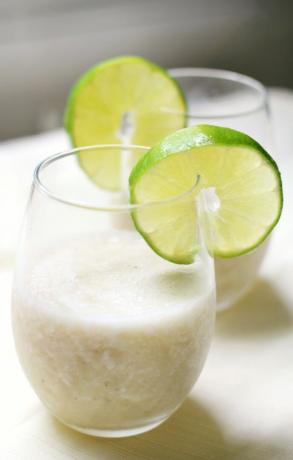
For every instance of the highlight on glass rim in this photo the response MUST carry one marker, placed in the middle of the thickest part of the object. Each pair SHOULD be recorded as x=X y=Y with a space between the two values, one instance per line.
x=155 y=186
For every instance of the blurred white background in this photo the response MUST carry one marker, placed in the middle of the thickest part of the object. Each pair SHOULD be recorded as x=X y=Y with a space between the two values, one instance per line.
x=46 y=44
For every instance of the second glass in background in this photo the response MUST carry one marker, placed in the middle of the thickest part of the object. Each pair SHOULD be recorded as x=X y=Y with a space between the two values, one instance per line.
x=232 y=100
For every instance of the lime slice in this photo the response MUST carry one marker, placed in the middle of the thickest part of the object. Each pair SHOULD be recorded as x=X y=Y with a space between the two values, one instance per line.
x=124 y=100
x=234 y=170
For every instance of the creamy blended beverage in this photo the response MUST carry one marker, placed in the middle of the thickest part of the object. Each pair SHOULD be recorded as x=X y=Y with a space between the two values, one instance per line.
x=111 y=336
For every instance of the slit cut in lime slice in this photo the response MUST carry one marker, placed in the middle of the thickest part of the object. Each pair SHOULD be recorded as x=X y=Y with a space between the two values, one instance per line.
x=242 y=177
x=125 y=100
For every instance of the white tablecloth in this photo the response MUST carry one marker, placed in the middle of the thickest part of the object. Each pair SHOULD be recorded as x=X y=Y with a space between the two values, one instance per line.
x=242 y=406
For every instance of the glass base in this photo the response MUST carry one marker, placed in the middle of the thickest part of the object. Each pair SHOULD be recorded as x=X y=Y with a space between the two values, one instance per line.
x=122 y=433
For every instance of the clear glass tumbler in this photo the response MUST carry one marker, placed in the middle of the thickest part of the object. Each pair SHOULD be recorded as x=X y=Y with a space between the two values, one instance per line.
x=229 y=99
x=111 y=336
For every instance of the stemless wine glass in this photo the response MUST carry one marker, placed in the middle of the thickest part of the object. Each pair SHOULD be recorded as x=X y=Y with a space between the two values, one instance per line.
x=111 y=336
x=232 y=100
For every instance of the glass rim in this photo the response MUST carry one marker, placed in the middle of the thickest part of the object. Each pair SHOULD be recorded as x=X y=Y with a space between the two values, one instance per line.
x=223 y=74
x=127 y=207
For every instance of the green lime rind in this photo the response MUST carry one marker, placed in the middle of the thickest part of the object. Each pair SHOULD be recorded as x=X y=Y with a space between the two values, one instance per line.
x=196 y=136
x=197 y=139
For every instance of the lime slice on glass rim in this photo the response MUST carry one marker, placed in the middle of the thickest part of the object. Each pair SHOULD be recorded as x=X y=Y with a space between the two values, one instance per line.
x=127 y=100
x=242 y=177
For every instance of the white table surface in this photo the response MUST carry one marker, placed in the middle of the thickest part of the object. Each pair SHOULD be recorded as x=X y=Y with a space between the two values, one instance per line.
x=242 y=406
